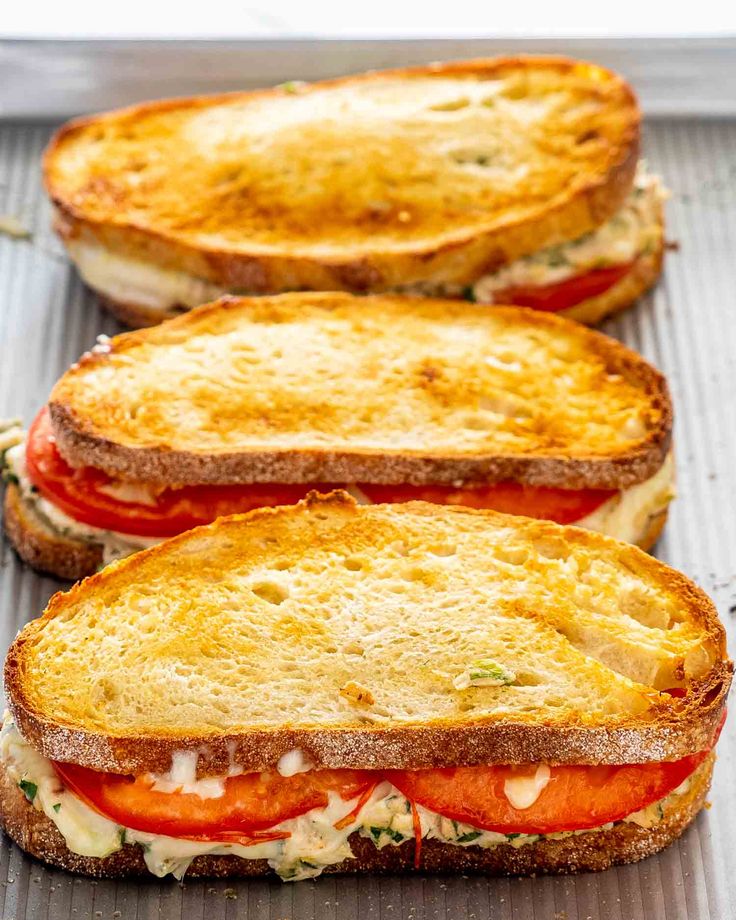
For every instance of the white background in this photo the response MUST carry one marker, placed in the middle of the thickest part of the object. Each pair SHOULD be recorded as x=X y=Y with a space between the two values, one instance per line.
x=380 y=18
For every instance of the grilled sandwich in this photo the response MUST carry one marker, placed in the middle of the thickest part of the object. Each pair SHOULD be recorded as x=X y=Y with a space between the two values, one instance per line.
x=510 y=180
x=332 y=687
x=252 y=402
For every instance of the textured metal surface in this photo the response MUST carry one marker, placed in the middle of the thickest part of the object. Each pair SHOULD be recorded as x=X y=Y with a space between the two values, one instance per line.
x=58 y=79
x=688 y=328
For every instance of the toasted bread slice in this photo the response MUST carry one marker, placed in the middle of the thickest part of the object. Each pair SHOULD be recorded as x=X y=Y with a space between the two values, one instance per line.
x=253 y=655
x=461 y=167
x=336 y=388
x=590 y=851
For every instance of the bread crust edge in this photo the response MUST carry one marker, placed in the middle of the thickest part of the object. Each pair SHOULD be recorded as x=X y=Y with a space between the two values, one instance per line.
x=81 y=444
x=674 y=728
x=41 y=547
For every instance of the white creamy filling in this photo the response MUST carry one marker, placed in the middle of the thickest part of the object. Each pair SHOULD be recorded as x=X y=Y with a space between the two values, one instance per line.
x=130 y=280
x=632 y=231
x=313 y=843
x=625 y=516
x=114 y=545
x=523 y=791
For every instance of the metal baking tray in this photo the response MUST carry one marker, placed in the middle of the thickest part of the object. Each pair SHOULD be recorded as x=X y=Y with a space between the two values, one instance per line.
x=687 y=327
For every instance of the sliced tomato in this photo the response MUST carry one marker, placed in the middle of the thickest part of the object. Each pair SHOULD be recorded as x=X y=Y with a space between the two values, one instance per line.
x=251 y=803
x=565 y=506
x=564 y=294
x=575 y=798
x=81 y=493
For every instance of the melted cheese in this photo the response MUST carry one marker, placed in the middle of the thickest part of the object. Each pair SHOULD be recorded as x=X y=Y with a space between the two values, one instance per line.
x=182 y=777
x=114 y=545
x=129 y=280
x=523 y=791
x=626 y=516
x=293 y=762
x=313 y=842
x=632 y=231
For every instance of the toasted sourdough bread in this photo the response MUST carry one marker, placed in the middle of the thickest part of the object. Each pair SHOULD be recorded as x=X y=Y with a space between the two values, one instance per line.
x=463 y=167
x=600 y=849
x=335 y=388
x=254 y=654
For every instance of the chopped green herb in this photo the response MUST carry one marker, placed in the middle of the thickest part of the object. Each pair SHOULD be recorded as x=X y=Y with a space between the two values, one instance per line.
x=378 y=832
x=485 y=673
x=513 y=836
x=469 y=293
x=56 y=807
x=469 y=837
x=9 y=477
x=121 y=834
x=29 y=789
x=556 y=257
x=292 y=86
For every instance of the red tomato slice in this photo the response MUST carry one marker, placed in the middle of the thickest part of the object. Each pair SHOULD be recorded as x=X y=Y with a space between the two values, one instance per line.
x=555 y=297
x=576 y=797
x=252 y=803
x=80 y=493
x=565 y=506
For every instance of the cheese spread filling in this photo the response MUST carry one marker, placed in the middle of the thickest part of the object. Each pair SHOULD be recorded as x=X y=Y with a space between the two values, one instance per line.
x=633 y=231
x=313 y=843
x=114 y=545
x=625 y=516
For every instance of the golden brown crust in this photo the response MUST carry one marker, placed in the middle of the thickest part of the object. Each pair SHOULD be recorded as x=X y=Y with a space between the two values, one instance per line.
x=623 y=843
x=672 y=729
x=88 y=438
x=43 y=548
x=342 y=239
